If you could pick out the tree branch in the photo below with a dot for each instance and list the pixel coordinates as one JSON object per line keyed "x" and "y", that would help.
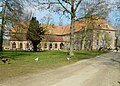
{"x": 49, "y": 3}
{"x": 67, "y": 2}
{"x": 64, "y": 7}
{"x": 77, "y": 5}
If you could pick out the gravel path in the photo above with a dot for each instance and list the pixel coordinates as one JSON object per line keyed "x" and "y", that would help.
{"x": 103, "y": 70}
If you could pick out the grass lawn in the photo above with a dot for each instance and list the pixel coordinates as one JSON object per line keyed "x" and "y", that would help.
{"x": 22, "y": 62}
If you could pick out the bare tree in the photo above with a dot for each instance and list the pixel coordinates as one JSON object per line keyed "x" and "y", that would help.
{"x": 47, "y": 19}
{"x": 84, "y": 8}
{"x": 72, "y": 8}
{"x": 2, "y": 25}
{"x": 89, "y": 9}
{"x": 116, "y": 21}
{"x": 61, "y": 6}
{"x": 11, "y": 13}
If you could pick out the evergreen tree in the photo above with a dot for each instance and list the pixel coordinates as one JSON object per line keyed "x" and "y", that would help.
{"x": 35, "y": 33}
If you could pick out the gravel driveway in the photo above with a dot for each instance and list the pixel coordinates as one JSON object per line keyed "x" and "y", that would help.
{"x": 103, "y": 70}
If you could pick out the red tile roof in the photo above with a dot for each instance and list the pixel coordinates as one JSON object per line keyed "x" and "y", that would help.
{"x": 94, "y": 23}
{"x": 18, "y": 37}
{"x": 55, "y": 39}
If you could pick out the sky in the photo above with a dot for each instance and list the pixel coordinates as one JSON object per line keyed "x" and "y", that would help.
{"x": 113, "y": 17}
{"x": 56, "y": 18}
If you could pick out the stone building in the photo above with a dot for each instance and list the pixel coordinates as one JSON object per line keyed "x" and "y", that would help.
{"x": 94, "y": 31}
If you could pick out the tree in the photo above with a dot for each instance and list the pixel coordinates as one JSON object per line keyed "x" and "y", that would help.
{"x": 89, "y": 10}
{"x": 47, "y": 19}
{"x": 72, "y": 8}
{"x": 73, "y": 5}
{"x": 115, "y": 21}
{"x": 84, "y": 8}
{"x": 35, "y": 33}
{"x": 2, "y": 25}
{"x": 11, "y": 13}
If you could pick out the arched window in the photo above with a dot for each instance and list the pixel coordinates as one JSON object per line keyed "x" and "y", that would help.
{"x": 61, "y": 45}
{"x": 50, "y": 46}
{"x": 45, "y": 46}
{"x": 27, "y": 45}
{"x": 14, "y": 45}
{"x": 21, "y": 45}
{"x": 56, "y": 45}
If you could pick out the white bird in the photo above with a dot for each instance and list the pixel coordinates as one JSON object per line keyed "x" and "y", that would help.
{"x": 68, "y": 58}
{"x": 36, "y": 59}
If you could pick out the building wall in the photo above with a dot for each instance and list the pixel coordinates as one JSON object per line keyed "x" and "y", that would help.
{"x": 94, "y": 40}
{"x": 103, "y": 38}
{"x": 20, "y": 45}
{"x": 26, "y": 45}
{"x": 52, "y": 45}
{"x": 78, "y": 39}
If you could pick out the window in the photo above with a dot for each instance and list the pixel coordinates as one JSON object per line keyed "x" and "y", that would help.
{"x": 107, "y": 26}
{"x": 99, "y": 25}
{"x": 50, "y": 46}
{"x": 45, "y": 46}
{"x": 21, "y": 46}
{"x": 27, "y": 45}
{"x": 61, "y": 46}
{"x": 14, "y": 45}
{"x": 55, "y": 45}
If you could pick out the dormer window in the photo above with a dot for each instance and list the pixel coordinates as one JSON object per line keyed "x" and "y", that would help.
{"x": 99, "y": 25}
{"x": 107, "y": 26}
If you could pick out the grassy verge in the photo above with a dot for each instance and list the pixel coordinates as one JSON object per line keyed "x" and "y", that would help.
{"x": 23, "y": 63}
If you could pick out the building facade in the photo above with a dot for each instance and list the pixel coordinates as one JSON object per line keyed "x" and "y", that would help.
{"x": 95, "y": 33}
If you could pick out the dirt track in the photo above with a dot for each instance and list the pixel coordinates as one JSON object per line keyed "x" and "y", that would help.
{"x": 103, "y": 70}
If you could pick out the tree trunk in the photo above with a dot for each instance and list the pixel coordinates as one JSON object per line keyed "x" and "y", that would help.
{"x": 35, "y": 47}
{"x": 71, "y": 54}
{"x": 116, "y": 41}
{"x": 1, "y": 37}
{"x": 84, "y": 36}
{"x": 2, "y": 26}
{"x": 83, "y": 43}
